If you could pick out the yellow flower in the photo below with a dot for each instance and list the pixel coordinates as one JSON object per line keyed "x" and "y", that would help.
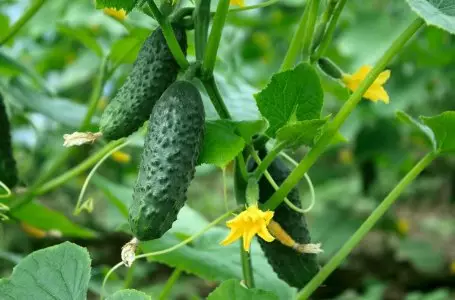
{"x": 240, "y": 3}
{"x": 452, "y": 267}
{"x": 121, "y": 157}
{"x": 376, "y": 91}
{"x": 119, "y": 14}
{"x": 402, "y": 226}
{"x": 247, "y": 224}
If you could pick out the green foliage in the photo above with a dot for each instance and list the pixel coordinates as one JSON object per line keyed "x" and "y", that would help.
{"x": 436, "y": 12}
{"x": 57, "y": 272}
{"x": 424, "y": 256}
{"x": 300, "y": 133}
{"x": 129, "y": 295}
{"x": 233, "y": 290}
{"x": 293, "y": 95}
{"x": 442, "y": 127}
{"x": 127, "y": 5}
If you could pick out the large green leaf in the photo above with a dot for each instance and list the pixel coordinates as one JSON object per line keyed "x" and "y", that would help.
{"x": 225, "y": 139}
{"x": 211, "y": 261}
{"x": 57, "y": 272}
{"x": 440, "y": 13}
{"x": 443, "y": 126}
{"x": 300, "y": 133}
{"x": 127, "y": 5}
{"x": 129, "y": 295}
{"x": 82, "y": 35}
{"x": 44, "y": 218}
{"x": 422, "y": 254}
{"x": 293, "y": 95}
{"x": 233, "y": 290}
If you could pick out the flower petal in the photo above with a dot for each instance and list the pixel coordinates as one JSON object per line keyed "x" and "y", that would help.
{"x": 234, "y": 235}
{"x": 268, "y": 215}
{"x": 265, "y": 235}
{"x": 361, "y": 73}
{"x": 247, "y": 238}
{"x": 383, "y": 77}
{"x": 377, "y": 92}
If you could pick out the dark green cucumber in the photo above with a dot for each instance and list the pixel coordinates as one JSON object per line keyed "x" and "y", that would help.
{"x": 171, "y": 151}
{"x": 8, "y": 171}
{"x": 154, "y": 70}
{"x": 294, "y": 268}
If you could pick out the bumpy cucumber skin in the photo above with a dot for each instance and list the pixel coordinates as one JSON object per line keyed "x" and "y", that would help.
{"x": 154, "y": 70}
{"x": 8, "y": 171}
{"x": 171, "y": 151}
{"x": 294, "y": 268}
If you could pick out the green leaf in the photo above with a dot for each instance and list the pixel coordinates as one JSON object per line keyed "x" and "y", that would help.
{"x": 300, "y": 133}
{"x": 127, "y": 5}
{"x": 422, "y": 254}
{"x": 233, "y": 290}
{"x": 419, "y": 127}
{"x": 294, "y": 94}
{"x": 440, "y": 13}
{"x": 44, "y": 218}
{"x": 225, "y": 139}
{"x": 129, "y": 295}
{"x": 125, "y": 50}
{"x": 443, "y": 128}
{"x": 82, "y": 35}
{"x": 211, "y": 261}
{"x": 57, "y": 272}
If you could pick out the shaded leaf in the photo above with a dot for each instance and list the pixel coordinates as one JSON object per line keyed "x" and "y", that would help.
{"x": 129, "y": 295}
{"x": 424, "y": 130}
{"x": 57, "y": 272}
{"x": 233, "y": 290}
{"x": 300, "y": 133}
{"x": 293, "y": 95}
{"x": 443, "y": 128}
{"x": 82, "y": 35}
{"x": 422, "y": 254}
{"x": 46, "y": 219}
{"x": 440, "y": 13}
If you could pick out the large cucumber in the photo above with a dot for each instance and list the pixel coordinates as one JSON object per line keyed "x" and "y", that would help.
{"x": 8, "y": 171}
{"x": 294, "y": 268}
{"x": 154, "y": 70}
{"x": 171, "y": 150}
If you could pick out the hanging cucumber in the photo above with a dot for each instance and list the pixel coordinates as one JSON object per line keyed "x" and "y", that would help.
{"x": 171, "y": 150}
{"x": 8, "y": 171}
{"x": 293, "y": 267}
{"x": 154, "y": 70}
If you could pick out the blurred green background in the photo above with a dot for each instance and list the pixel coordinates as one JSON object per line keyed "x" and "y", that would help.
{"x": 47, "y": 74}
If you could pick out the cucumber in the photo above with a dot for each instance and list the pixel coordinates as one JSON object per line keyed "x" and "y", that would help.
{"x": 294, "y": 268}
{"x": 171, "y": 151}
{"x": 8, "y": 171}
{"x": 154, "y": 70}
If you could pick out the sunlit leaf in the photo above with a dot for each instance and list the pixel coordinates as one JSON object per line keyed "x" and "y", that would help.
{"x": 57, "y": 272}
{"x": 300, "y": 133}
{"x": 129, "y": 295}
{"x": 440, "y": 13}
{"x": 127, "y": 5}
{"x": 443, "y": 127}
{"x": 422, "y": 128}
{"x": 295, "y": 94}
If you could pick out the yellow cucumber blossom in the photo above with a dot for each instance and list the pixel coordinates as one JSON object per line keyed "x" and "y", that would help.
{"x": 376, "y": 91}
{"x": 247, "y": 224}
{"x": 240, "y": 3}
{"x": 121, "y": 157}
{"x": 119, "y": 14}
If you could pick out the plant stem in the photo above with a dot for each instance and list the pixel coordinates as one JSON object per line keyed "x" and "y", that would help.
{"x": 344, "y": 112}
{"x": 201, "y": 27}
{"x": 338, "y": 258}
{"x": 169, "y": 35}
{"x": 95, "y": 96}
{"x": 268, "y": 159}
{"x": 90, "y": 161}
{"x": 214, "y": 38}
{"x": 215, "y": 97}
{"x": 294, "y": 47}
{"x": 23, "y": 19}
{"x": 247, "y": 269}
{"x": 169, "y": 284}
{"x": 329, "y": 33}
{"x": 309, "y": 28}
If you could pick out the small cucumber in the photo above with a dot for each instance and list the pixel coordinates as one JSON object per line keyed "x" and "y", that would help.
{"x": 171, "y": 151}
{"x": 8, "y": 171}
{"x": 291, "y": 266}
{"x": 154, "y": 70}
